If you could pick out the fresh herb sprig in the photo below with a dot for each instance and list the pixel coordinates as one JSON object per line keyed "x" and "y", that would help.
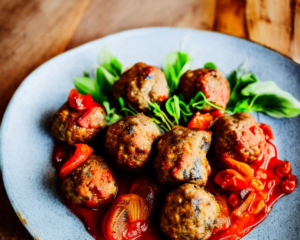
{"x": 160, "y": 117}
{"x": 175, "y": 64}
{"x": 106, "y": 74}
{"x": 248, "y": 94}
{"x": 178, "y": 109}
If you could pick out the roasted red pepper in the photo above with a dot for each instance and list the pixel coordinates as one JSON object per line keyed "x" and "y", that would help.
{"x": 283, "y": 169}
{"x": 289, "y": 183}
{"x": 217, "y": 113}
{"x": 81, "y": 102}
{"x": 234, "y": 200}
{"x": 231, "y": 180}
{"x": 81, "y": 154}
{"x": 87, "y": 120}
{"x": 200, "y": 121}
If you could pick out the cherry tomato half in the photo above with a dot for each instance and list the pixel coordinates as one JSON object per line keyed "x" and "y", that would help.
{"x": 289, "y": 183}
{"x": 283, "y": 169}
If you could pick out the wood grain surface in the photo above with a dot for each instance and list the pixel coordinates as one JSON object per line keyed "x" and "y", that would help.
{"x": 129, "y": 14}
{"x": 31, "y": 32}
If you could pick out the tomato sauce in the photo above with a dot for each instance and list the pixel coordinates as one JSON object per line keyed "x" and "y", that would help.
{"x": 239, "y": 223}
{"x": 239, "y": 226}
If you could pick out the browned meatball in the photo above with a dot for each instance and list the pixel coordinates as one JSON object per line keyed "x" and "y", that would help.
{"x": 182, "y": 158}
{"x": 238, "y": 136}
{"x": 129, "y": 141}
{"x": 140, "y": 84}
{"x": 211, "y": 82}
{"x": 189, "y": 213}
{"x": 66, "y": 129}
{"x": 91, "y": 184}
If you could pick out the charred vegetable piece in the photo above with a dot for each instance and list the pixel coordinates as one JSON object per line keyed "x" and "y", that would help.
{"x": 126, "y": 218}
{"x": 81, "y": 154}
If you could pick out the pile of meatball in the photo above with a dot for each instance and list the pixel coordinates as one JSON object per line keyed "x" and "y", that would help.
{"x": 179, "y": 157}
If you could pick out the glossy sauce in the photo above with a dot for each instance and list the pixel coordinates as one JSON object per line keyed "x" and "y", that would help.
{"x": 264, "y": 171}
{"x": 91, "y": 218}
{"x": 236, "y": 227}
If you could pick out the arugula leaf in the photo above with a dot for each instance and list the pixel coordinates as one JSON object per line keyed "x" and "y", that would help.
{"x": 174, "y": 66}
{"x": 210, "y": 65}
{"x": 268, "y": 98}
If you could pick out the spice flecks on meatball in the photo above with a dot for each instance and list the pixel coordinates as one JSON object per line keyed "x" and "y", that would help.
{"x": 181, "y": 157}
{"x": 238, "y": 136}
{"x": 189, "y": 213}
{"x": 91, "y": 184}
{"x": 129, "y": 141}
{"x": 66, "y": 129}
{"x": 211, "y": 82}
{"x": 140, "y": 84}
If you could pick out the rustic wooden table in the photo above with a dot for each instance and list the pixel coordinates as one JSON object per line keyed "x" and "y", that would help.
{"x": 31, "y": 32}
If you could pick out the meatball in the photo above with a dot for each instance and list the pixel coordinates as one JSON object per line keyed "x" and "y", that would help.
{"x": 129, "y": 141}
{"x": 66, "y": 129}
{"x": 238, "y": 136}
{"x": 182, "y": 158}
{"x": 211, "y": 82}
{"x": 140, "y": 84}
{"x": 189, "y": 213}
{"x": 91, "y": 184}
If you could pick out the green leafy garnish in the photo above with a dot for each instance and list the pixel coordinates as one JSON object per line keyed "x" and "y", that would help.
{"x": 160, "y": 117}
{"x": 238, "y": 80}
{"x": 111, "y": 115}
{"x": 127, "y": 110}
{"x": 210, "y": 65}
{"x": 200, "y": 101}
{"x": 106, "y": 75}
{"x": 268, "y": 98}
{"x": 248, "y": 94}
{"x": 175, "y": 64}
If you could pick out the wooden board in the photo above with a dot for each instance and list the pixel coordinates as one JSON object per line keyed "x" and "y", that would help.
{"x": 230, "y": 17}
{"x": 107, "y": 17}
{"x": 270, "y": 23}
{"x": 32, "y": 32}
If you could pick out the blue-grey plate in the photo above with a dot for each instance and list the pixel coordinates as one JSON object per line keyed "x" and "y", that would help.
{"x": 26, "y": 144}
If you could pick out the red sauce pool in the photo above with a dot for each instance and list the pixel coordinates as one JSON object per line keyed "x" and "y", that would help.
{"x": 237, "y": 228}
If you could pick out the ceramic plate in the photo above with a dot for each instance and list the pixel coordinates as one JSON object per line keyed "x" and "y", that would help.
{"x": 26, "y": 144}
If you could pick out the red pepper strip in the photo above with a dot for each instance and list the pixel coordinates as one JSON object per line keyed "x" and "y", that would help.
{"x": 76, "y": 100}
{"x": 231, "y": 180}
{"x": 240, "y": 167}
{"x": 88, "y": 102}
{"x": 283, "y": 169}
{"x": 88, "y": 119}
{"x": 81, "y": 154}
{"x": 289, "y": 183}
{"x": 81, "y": 102}
{"x": 217, "y": 113}
{"x": 234, "y": 200}
{"x": 267, "y": 131}
{"x": 200, "y": 121}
